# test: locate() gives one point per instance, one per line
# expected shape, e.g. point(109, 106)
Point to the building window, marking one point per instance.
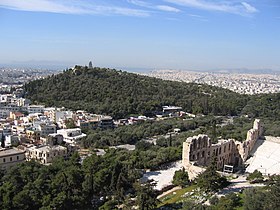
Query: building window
point(17, 157)
point(4, 160)
point(11, 158)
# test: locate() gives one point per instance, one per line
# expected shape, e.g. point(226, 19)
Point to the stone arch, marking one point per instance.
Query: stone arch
point(199, 143)
point(204, 142)
point(194, 144)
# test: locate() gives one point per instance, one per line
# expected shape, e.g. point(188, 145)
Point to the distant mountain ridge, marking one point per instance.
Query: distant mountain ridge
point(119, 93)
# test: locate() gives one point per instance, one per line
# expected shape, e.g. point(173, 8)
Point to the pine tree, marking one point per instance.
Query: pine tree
point(210, 180)
point(146, 196)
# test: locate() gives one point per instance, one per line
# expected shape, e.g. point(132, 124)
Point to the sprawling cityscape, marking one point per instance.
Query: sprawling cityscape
point(241, 83)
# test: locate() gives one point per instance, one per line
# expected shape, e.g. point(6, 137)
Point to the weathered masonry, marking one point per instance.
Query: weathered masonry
point(198, 150)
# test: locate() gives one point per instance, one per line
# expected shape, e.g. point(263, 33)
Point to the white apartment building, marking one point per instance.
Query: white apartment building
point(71, 135)
point(46, 129)
point(45, 154)
point(35, 109)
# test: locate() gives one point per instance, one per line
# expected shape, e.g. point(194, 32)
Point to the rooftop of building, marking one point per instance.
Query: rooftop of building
point(69, 130)
point(10, 151)
point(47, 148)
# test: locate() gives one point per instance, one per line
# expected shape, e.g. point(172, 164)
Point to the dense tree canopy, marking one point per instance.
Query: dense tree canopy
point(68, 184)
point(120, 94)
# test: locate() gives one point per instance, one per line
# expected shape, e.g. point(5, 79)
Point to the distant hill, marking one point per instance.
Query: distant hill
point(119, 93)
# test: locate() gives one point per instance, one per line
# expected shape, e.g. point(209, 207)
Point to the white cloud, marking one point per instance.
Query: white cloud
point(69, 7)
point(139, 3)
point(165, 8)
point(196, 16)
point(249, 8)
point(222, 6)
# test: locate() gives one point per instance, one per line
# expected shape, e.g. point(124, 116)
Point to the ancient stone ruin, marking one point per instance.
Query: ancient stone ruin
point(198, 150)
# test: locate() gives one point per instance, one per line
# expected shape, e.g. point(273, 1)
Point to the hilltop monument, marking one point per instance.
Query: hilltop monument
point(90, 65)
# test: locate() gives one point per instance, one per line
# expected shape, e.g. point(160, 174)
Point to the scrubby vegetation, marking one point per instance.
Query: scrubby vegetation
point(255, 177)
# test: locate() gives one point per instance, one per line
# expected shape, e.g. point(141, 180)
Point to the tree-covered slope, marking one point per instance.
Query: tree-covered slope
point(119, 93)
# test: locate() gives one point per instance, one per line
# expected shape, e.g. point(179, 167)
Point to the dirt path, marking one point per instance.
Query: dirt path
point(169, 191)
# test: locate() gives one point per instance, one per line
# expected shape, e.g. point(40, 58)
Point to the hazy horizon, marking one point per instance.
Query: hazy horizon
point(61, 67)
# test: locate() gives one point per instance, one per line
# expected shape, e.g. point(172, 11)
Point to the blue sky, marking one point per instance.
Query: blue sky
point(156, 34)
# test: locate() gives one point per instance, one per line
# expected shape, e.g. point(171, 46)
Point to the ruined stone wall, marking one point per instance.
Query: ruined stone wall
point(252, 136)
point(226, 152)
point(198, 150)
